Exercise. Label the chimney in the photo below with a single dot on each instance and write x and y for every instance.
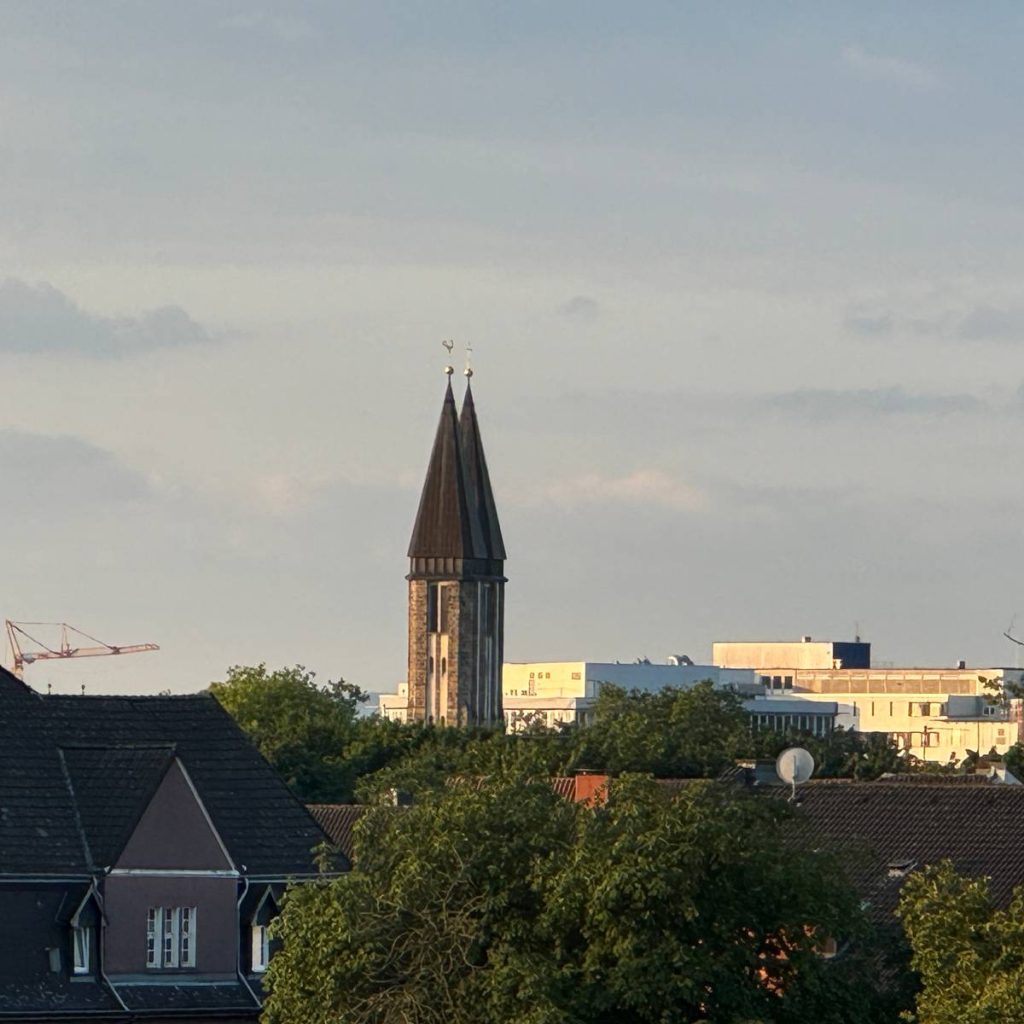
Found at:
(591, 788)
(806, 639)
(961, 663)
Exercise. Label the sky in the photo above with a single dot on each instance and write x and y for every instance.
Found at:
(744, 285)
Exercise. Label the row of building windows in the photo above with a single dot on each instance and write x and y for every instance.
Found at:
(816, 725)
(777, 682)
(170, 942)
(171, 937)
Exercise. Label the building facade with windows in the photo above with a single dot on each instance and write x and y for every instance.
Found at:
(144, 845)
(936, 714)
(555, 693)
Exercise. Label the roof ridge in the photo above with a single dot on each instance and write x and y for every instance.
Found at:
(478, 479)
(90, 863)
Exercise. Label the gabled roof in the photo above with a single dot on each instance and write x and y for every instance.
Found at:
(52, 804)
(338, 821)
(447, 524)
(478, 481)
(888, 828)
(111, 787)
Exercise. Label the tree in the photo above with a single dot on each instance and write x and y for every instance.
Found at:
(968, 954)
(494, 902)
(300, 727)
(843, 754)
(671, 733)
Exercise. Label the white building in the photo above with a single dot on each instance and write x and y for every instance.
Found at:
(395, 706)
(553, 693)
(936, 714)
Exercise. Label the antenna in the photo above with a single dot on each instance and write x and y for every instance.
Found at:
(795, 766)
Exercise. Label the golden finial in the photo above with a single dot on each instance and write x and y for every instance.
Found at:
(449, 369)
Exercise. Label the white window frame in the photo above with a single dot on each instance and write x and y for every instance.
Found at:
(187, 945)
(154, 936)
(171, 937)
(260, 948)
(81, 948)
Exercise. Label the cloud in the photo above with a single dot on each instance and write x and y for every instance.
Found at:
(983, 323)
(979, 322)
(284, 27)
(56, 476)
(821, 403)
(39, 318)
(582, 308)
(871, 326)
(872, 67)
(651, 487)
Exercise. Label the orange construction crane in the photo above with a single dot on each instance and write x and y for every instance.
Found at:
(16, 633)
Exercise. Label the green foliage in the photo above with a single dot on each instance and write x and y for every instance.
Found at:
(1014, 760)
(969, 955)
(843, 754)
(326, 752)
(301, 728)
(500, 902)
(672, 733)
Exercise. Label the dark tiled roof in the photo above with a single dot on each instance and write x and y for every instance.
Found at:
(338, 821)
(478, 480)
(232, 995)
(263, 826)
(33, 920)
(922, 779)
(38, 829)
(887, 828)
(111, 787)
(446, 523)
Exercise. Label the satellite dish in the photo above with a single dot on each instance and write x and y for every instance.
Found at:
(794, 765)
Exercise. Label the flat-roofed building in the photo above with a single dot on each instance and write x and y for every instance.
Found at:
(553, 693)
(805, 653)
(936, 714)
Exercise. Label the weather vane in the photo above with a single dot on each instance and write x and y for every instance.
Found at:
(449, 369)
(468, 371)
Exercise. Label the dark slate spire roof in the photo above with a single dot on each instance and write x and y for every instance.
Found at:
(446, 523)
(478, 481)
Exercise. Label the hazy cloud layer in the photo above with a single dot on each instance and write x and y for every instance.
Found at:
(873, 67)
(651, 487)
(977, 322)
(55, 476)
(651, 220)
(40, 319)
(824, 404)
(581, 307)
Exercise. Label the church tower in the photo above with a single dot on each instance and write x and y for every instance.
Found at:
(456, 580)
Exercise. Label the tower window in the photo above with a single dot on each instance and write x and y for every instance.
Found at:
(433, 608)
(437, 608)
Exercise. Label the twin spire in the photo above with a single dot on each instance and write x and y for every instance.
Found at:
(457, 516)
